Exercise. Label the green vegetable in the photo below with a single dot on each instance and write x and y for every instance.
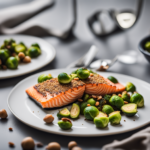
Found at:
(75, 111)
(36, 45)
(130, 87)
(74, 72)
(125, 96)
(63, 113)
(129, 109)
(64, 78)
(65, 125)
(74, 76)
(34, 52)
(101, 121)
(86, 97)
(137, 99)
(83, 105)
(20, 48)
(107, 97)
(116, 101)
(115, 117)
(83, 73)
(147, 46)
(91, 101)
(91, 112)
(101, 103)
(112, 79)
(44, 77)
(12, 63)
(107, 109)
(4, 55)
(92, 72)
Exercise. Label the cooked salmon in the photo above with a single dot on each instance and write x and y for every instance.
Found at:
(51, 93)
(98, 85)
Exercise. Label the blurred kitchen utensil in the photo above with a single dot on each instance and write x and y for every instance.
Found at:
(85, 60)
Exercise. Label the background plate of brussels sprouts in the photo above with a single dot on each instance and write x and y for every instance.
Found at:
(115, 114)
(21, 54)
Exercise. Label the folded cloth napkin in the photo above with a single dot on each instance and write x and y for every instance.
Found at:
(138, 141)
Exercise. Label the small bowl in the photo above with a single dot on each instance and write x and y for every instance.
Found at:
(142, 50)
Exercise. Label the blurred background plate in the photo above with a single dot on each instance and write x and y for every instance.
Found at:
(48, 54)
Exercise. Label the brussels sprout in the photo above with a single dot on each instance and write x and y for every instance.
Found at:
(64, 78)
(147, 46)
(17, 57)
(74, 76)
(74, 72)
(12, 63)
(21, 43)
(91, 101)
(116, 101)
(91, 112)
(36, 45)
(83, 73)
(137, 99)
(2, 46)
(65, 125)
(112, 79)
(129, 109)
(4, 55)
(130, 87)
(107, 109)
(125, 96)
(44, 77)
(20, 48)
(107, 97)
(101, 103)
(101, 121)
(75, 111)
(86, 97)
(34, 52)
(63, 113)
(115, 117)
(83, 105)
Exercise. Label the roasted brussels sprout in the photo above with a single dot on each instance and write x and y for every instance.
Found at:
(116, 101)
(107, 97)
(20, 48)
(125, 96)
(34, 52)
(4, 55)
(64, 78)
(147, 46)
(63, 113)
(91, 101)
(115, 117)
(74, 72)
(12, 63)
(91, 112)
(129, 109)
(112, 79)
(75, 111)
(83, 105)
(107, 109)
(83, 73)
(86, 97)
(44, 77)
(74, 76)
(65, 124)
(130, 87)
(101, 120)
(137, 99)
(36, 45)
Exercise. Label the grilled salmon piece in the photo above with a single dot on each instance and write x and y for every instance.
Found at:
(51, 93)
(98, 85)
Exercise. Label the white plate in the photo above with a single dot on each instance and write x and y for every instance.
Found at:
(48, 54)
(31, 114)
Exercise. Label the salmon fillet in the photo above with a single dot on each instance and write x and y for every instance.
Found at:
(51, 93)
(98, 85)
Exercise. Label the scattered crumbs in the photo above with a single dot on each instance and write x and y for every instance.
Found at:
(33, 111)
(38, 111)
(133, 120)
(82, 124)
(39, 144)
(11, 144)
(124, 120)
(120, 125)
(10, 129)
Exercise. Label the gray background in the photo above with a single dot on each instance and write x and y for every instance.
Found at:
(59, 16)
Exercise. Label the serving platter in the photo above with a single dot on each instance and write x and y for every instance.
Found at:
(47, 55)
(27, 111)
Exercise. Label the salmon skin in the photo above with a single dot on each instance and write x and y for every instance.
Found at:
(51, 93)
(98, 85)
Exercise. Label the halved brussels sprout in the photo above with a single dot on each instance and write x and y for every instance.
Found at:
(86, 97)
(44, 77)
(91, 101)
(36, 45)
(75, 111)
(64, 78)
(130, 87)
(4, 55)
(115, 117)
(129, 109)
(91, 112)
(107, 109)
(83, 73)
(83, 105)
(34, 52)
(137, 99)
(125, 96)
(112, 79)
(63, 113)
(20, 48)
(101, 120)
(12, 63)
(65, 125)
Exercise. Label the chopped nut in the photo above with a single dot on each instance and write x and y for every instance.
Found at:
(135, 92)
(114, 95)
(125, 102)
(80, 100)
(133, 120)
(0, 62)
(91, 74)
(48, 118)
(3, 114)
(76, 78)
(94, 96)
(11, 144)
(4, 67)
(97, 103)
(39, 144)
(124, 120)
(99, 98)
(88, 105)
(13, 54)
(27, 59)
(119, 95)
(10, 129)
(21, 55)
(128, 94)
(66, 119)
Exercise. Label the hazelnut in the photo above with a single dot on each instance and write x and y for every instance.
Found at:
(39, 144)
(3, 114)
(76, 148)
(11, 144)
(27, 59)
(80, 100)
(27, 143)
(53, 146)
(21, 55)
(72, 144)
(48, 118)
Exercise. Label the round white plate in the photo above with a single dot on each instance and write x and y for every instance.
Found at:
(48, 54)
(31, 114)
